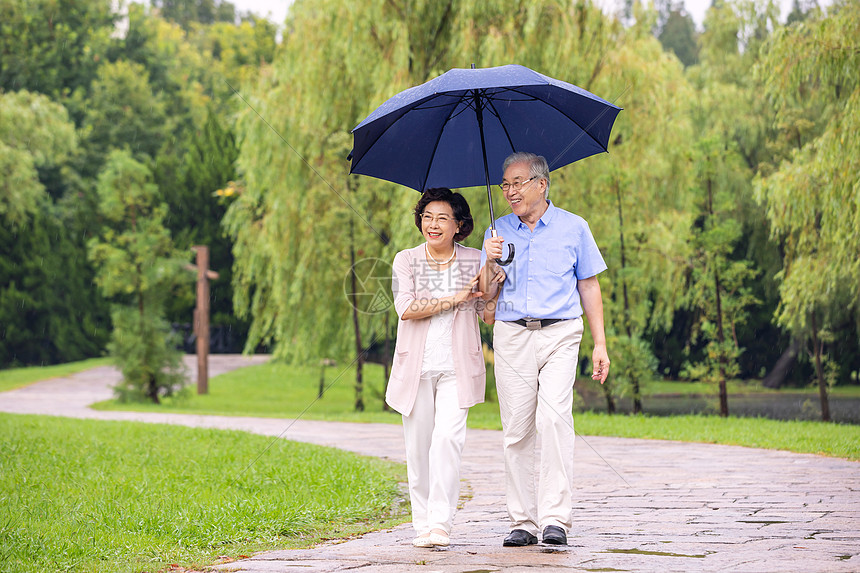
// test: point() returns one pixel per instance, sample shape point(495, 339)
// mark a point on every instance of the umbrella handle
point(511, 250)
point(510, 257)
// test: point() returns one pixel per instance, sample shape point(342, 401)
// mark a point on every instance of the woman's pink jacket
point(410, 284)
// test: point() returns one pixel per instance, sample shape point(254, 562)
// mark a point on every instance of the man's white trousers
point(535, 371)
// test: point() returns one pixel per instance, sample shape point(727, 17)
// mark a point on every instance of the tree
point(678, 34)
point(800, 9)
point(194, 71)
point(731, 106)
point(47, 311)
point(122, 110)
point(187, 12)
point(53, 47)
point(290, 222)
point(811, 198)
point(189, 184)
point(34, 133)
point(717, 289)
point(635, 200)
point(137, 268)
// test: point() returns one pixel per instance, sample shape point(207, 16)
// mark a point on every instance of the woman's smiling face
point(438, 225)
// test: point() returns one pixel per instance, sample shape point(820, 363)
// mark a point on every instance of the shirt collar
point(545, 218)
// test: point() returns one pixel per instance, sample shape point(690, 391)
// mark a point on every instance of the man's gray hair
point(538, 166)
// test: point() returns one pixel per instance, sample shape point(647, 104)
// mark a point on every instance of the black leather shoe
point(554, 535)
point(519, 538)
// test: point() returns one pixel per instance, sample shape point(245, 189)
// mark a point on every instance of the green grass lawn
point(288, 392)
point(17, 377)
point(93, 496)
point(281, 391)
point(735, 387)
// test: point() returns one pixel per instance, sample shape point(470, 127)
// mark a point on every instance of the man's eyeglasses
point(516, 185)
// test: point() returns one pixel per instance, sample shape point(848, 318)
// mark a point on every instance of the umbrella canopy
point(431, 135)
point(448, 131)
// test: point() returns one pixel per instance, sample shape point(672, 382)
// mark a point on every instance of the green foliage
point(718, 289)
point(102, 497)
point(284, 279)
point(137, 268)
point(152, 90)
point(34, 133)
point(123, 111)
point(678, 33)
point(53, 46)
point(191, 183)
point(145, 349)
point(187, 12)
point(193, 71)
point(47, 310)
point(633, 364)
point(812, 199)
point(778, 106)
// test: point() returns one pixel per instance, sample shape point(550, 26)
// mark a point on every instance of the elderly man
point(551, 282)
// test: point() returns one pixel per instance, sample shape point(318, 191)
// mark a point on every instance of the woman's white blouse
point(438, 354)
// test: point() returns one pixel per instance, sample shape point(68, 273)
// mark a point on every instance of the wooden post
point(201, 317)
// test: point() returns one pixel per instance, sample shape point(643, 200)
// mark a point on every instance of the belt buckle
point(533, 324)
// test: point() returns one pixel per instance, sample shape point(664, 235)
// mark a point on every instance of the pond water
point(782, 406)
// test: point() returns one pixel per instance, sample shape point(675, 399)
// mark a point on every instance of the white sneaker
point(423, 541)
point(431, 540)
point(439, 539)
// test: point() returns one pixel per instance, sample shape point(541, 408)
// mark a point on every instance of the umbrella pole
point(480, 113)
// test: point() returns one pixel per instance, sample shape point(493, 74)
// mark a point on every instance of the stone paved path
point(642, 505)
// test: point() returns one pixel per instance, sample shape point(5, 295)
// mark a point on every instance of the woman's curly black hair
point(458, 204)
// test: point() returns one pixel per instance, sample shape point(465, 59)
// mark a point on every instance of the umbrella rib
point(457, 100)
point(387, 127)
point(569, 145)
point(601, 114)
point(421, 107)
point(435, 148)
point(504, 127)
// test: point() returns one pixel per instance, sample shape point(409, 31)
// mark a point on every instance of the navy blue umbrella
point(446, 132)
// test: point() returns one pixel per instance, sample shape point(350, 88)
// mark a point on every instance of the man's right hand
point(493, 248)
point(488, 284)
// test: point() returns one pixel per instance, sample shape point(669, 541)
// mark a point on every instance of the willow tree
point(291, 224)
point(812, 200)
point(635, 197)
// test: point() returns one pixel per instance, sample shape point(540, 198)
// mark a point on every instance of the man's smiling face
point(527, 202)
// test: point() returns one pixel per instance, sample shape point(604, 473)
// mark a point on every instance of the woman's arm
point(422, 308)
point(488, 312)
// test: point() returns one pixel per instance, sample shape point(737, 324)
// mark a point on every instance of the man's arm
point(592, 304)
point(490, 272)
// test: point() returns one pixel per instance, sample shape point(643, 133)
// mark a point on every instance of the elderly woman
point(438, 371)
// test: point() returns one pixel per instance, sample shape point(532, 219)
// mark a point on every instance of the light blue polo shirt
point(549, 261)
